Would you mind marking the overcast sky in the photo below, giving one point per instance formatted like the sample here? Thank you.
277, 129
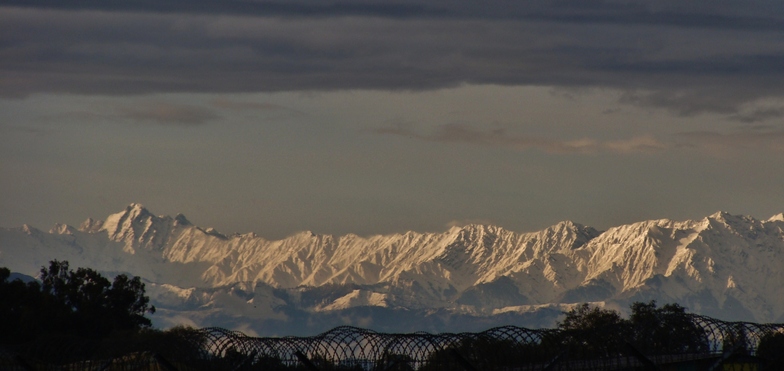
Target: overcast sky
383, 116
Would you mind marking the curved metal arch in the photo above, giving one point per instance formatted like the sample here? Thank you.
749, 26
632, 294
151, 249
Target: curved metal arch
738, 336
351, 346
220, 341
518, 334
265, 347
498, 348
416, 347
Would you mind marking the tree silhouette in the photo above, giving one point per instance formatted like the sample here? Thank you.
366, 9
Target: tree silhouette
591, 332
20, 309
585, 317
68, 302
95, 306
665, 330
771, 349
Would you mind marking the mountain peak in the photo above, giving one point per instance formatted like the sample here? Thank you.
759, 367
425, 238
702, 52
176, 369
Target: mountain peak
777, 218
30, 230
137, 209
567, 224
62, 229
734, 221
580, 234
138, 227
180, 219
475, 227
722, 215
91, 225
133, 214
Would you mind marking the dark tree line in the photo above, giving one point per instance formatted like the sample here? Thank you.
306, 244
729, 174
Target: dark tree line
585, 333
68, 302
595, 332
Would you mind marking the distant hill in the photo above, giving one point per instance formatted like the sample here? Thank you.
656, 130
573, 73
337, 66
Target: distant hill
22, 277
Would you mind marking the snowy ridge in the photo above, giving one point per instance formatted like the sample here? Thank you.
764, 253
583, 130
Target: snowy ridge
721, 265
456, 259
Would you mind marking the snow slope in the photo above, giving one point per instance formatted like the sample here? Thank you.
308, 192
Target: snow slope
723, 265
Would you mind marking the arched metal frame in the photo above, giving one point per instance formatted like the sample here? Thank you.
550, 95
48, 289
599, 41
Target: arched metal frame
347, 347
351, 348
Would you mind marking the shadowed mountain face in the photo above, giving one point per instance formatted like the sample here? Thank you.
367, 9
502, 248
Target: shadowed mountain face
723, 265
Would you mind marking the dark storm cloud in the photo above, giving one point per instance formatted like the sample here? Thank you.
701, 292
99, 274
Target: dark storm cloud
256, 8
689, 58
719, 14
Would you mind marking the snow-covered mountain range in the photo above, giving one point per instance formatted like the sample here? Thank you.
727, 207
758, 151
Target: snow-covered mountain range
466, 278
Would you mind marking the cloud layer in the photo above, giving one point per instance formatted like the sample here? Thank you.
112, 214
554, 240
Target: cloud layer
456, 133
695, 58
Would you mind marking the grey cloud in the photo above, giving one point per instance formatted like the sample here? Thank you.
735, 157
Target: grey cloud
167, 114
160, 112
389, 9
759, 137
244, 105
13, 129
689, 59
718, 143
716, 14
685, 103
456, 133
80, 116
759, 115
691, 102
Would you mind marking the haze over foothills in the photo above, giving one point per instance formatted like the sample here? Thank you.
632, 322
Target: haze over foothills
376, 117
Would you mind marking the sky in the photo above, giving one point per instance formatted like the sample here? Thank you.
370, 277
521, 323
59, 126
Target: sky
376, 117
